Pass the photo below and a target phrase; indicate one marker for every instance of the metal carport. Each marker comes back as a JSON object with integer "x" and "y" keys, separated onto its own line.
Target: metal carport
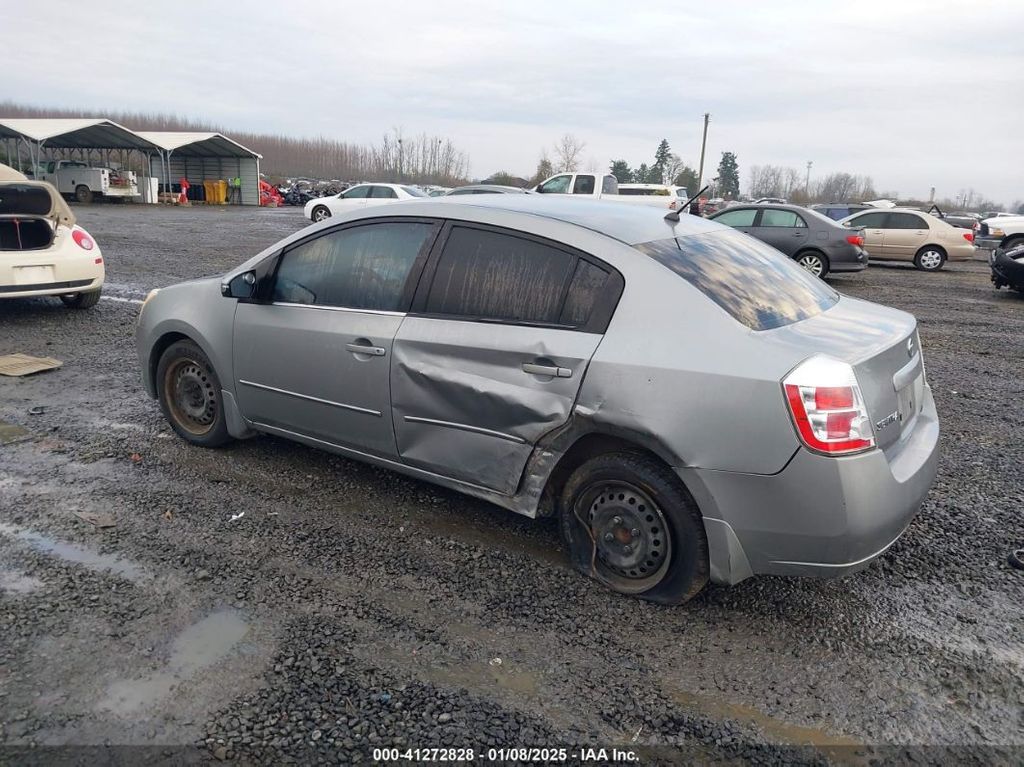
{"x": 199, "y": 156}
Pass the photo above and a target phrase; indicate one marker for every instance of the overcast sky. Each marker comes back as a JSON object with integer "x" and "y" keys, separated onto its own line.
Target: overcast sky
{"x": 914, "y": 94}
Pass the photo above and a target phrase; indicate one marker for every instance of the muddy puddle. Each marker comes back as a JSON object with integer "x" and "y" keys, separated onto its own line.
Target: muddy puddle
{"x": 71, "y": 552}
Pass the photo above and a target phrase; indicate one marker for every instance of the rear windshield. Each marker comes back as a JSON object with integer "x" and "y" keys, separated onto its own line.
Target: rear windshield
{"x": 752, "y": 281}
{"x": 413, "y": 191}
{"x": 24, "y": 199}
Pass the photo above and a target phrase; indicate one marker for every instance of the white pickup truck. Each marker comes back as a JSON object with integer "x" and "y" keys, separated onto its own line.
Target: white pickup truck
{"x": 85, "y": 182}
{"x": 607, "y": 187}
{"x": 1006, "y": 232}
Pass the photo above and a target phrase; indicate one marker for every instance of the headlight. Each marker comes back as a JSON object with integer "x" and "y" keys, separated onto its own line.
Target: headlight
{"x": 996, "y": 232}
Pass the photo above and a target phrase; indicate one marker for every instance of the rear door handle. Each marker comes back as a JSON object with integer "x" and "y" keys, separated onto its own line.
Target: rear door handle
{"x": 546, "y": 370}
{"x": 373, "y": 351}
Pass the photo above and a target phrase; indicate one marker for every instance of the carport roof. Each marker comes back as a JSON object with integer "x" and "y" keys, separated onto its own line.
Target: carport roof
{"x": 75, "y": 133}
{"x": 197, "y": 144}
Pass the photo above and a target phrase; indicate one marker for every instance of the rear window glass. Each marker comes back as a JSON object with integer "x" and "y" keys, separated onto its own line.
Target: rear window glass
{"x": 414, "y": 192}
{"x": 750, "y": 280}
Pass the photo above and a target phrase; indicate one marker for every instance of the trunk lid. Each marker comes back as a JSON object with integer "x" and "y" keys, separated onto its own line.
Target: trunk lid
{"x": 20, "y": 197}
{"x": 882, "y": 346}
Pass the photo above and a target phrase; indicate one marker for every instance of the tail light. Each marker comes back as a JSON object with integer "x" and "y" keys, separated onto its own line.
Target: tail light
{"x": 855, "y": 239}
{"x": 969, "y": 236}
{"x": 82, "y": 239}
{"x": 827, "y": 407}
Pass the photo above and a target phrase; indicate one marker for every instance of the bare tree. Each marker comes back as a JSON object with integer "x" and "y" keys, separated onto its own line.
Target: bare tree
{"x": 568, "y": 151}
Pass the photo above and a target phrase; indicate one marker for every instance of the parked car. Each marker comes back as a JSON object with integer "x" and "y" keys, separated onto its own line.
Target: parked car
{"x": 677, "y": 196}
{"x": 358, "y": 196}
{"x": 486, "y": 189}
{"x": 691, "y": 404}
{"x": 961, "y": 219}
{"x": 1008, "y": 268}
{"x": 606, "y": 187}
{"x": 43, "y": 252}
{"x": 839, "y": 210}
{"x": 817, "y": 243}
{"x": 1006, "y": 232}
{"x": 902, "y": 234}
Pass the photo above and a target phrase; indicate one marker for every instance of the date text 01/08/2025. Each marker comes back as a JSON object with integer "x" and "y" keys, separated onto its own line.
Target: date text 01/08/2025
{"x": 513, "y": 754}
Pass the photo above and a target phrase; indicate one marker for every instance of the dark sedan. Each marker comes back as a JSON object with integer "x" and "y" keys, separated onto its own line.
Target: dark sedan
{"x": 816, "y": 242}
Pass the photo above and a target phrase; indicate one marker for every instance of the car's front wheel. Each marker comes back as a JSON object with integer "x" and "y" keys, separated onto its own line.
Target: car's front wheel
{"x": 320, "y": 213}
{"x": 85, "y": 300}
{"x": 930, "y": 258}
{"x": 629, "y": 521}
{"x": 188, "y": 389}
{"x": 814, "y": 262}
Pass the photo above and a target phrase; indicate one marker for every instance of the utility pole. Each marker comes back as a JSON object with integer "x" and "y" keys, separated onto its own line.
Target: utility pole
{"x": 807, "y": 183}
{"x": 703, "y": 146}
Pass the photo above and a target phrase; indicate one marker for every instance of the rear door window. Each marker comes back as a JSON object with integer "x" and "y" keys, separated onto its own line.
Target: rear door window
{"x": 870, "y": 220}
{"x": 781, "y": 218}
{"x": 584, "y": 185}
{"x": 753, "y": 282}
{"x": 609, "y": 185}
{"x": 383, "y": 193}
{"x": 361, "y": 267}
{"x": 905, "y": 221}
{"x": 743, "y": 217}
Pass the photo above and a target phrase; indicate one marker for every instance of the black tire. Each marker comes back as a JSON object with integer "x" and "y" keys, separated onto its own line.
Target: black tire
{"x": 319, "y": 213}
{"x": 85, "y": 300}
{"x": 1012, "y": 242}
{"x": 188, "y": 389}
{"x": 83, "y": 194}
{"x": 612, "y": 511}
{"x": 930, "y": 258}
{"x": 815, "y": 258}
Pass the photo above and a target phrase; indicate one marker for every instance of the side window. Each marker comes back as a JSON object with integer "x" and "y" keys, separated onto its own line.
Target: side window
{"x": 870, "y": 220}
{"x": 490, "y": 275}
{"x": 356, "y": 193}
{"x": 743, "y": 217}
{"x": 905, "y": 221}
{"x": 782, "y": 218}
{"x": 609, "y": 185}
{"x": 364, "y": 267}
{"x": 383, "y": 193}
{"x": 587, "y": 284}
{"x": 556, "y": 185}
{"x": 583, "y": 185}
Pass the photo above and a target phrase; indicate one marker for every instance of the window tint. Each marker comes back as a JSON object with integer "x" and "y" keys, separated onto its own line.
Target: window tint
{"x": 870, "y": 220}
{"x": 743, "y": 217}
{"x": 364, "y": 267}
{"x": 556, "y": 185}
{"x": 905, "y": 221}
{"x": 783, "y": 218}
{"x": 584, "y": 289}
{"x": 752, "y": 281}
{"x": 383, "y": 193}
{"x": 495, "y": 276}
{"x": 583, "y": 185}
{"x": 356, "y": 193}
{"x": 414, "y": 192}
{"x": 609, "y": 185}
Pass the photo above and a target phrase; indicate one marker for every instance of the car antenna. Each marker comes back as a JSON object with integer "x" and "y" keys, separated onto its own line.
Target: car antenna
{"x": 673, "y": 215}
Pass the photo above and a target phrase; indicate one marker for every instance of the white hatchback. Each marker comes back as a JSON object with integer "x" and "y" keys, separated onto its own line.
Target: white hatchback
{"x": 43, "y": 252}
{"x": 359, "y": 196}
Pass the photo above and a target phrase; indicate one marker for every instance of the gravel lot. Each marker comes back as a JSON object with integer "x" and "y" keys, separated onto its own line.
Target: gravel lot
{"x": 351, "y": 607}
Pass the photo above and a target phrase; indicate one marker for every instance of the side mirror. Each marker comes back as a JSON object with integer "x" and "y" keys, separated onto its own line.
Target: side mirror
{"x": 241, "y": 286}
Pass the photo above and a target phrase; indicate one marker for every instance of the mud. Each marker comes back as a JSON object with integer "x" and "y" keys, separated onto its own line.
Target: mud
{"x": 351, "y": 607}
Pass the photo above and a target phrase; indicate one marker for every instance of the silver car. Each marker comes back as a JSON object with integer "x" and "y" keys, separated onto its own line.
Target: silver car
{"x": 685, "y": 421}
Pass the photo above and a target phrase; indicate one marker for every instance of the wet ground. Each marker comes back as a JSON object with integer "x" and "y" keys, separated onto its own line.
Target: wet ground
{"x": 351, "y": 608}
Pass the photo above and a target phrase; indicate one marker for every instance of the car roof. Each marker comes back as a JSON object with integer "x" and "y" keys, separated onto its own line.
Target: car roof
{"x": 630, "y": 224}
{"x": 759, "y": 205}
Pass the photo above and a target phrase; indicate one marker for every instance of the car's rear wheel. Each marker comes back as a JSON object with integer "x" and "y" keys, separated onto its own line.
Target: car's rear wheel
{"x": 85, "y": 300}
{"x": 320, "y": 213}
{"x": 814, "y": 262}
{"x": 629, "y": 522}
{"x": 188, "y": 389}
{"x": 83, "y": 194}
{"x": 930, "y": 258}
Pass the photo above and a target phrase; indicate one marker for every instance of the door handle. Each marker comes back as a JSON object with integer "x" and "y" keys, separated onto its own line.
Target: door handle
{"x": 373, "y": 351}
{"x": 546, "y": 370}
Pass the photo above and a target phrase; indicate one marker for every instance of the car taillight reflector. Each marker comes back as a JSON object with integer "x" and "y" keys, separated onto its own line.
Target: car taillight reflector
{"x": 969, "y": 236}
{"x": 827, "y": 407}
{"x": 83, "y": 240}
{"x": 855, "y": 239}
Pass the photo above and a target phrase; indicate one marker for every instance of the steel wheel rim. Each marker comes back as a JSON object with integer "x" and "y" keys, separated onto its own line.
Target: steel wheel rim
{"x": 632, "y": 541}
{"x": 812, "y": 264}
{"x": 931, "y": 259}
{"x": 191, "y": 396}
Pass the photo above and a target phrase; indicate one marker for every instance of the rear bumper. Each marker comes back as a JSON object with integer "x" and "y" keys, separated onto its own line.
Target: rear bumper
{"x": 849, "y": 259}
{"x": 819, "y": 516}
{"x": 987, "y": 243}
{"x": 963, "y": 252}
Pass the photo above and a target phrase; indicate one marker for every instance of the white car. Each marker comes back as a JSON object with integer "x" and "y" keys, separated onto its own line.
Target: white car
{"x": 43, "y": 252}
{"x": 359, "y": 196}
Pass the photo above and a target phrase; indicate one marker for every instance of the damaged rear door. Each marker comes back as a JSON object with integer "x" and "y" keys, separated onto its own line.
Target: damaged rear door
{"x": 493, "y": 354}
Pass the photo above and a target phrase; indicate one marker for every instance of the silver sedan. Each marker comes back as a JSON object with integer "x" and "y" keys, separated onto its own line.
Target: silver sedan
{"x": 691, "y": 404}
